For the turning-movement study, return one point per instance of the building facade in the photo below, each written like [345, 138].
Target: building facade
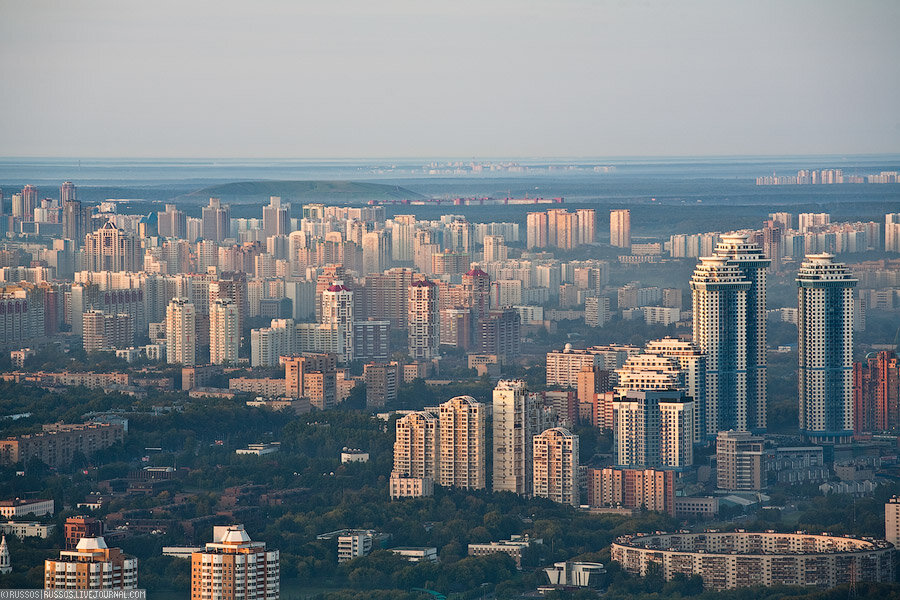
[224, 336]
[181, 332]
[234, 567]
[556, 466]
[620, 228]
[461, 460]
[92, 565]
[745, 558]
[424, 335]
[825, 327]
[740, 461]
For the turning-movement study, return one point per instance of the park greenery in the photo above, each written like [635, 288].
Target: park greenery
[197, 437]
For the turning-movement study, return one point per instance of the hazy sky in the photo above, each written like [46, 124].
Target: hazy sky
[376, 78]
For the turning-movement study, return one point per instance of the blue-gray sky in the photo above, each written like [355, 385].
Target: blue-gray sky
[407, 78]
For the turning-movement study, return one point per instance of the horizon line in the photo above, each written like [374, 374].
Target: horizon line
[451, 157]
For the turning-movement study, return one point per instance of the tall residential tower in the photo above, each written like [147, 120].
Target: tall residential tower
[825, 327]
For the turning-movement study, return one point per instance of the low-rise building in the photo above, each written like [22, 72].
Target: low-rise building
[260, 449]
[577, 574]
[57, 444]
[22, 529]
[513, 546]
[354, 543]
[402, 486]
[269, 387]
[696, 506]
[20, 508]
[416, 554]
[349, 455]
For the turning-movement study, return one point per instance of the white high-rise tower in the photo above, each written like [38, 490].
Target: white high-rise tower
[224, 336]
[181, 332]
[337, 309]
[825, 327]
[512, 437]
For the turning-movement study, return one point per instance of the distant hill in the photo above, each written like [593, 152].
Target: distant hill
[305, 191]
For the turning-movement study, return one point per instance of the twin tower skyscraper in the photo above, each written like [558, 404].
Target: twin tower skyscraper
[729, 312]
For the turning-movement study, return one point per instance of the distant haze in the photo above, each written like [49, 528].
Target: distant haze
[341, 78]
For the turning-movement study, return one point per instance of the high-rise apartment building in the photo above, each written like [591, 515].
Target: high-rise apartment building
[66, 192]
[338, 309]
[892, 521]
[536, 230]
[462, 444]
[403, 238]
[596, 311]
[111, 249]
[556, 466]
[386, 295]
[620, 228]
[215, 221]
[29, 202]
[416, 445]
[276, 217]
[512, 437]
[233, 567]
[102, 331]
[494, 248]
[171, 223]
[92, 565]
[422, 320]
[456, 328]
[566, 230]
[825, 327]
[650, 489]
[785, 220]
[692, 362]
[181, 332]
[592, 380]
[500, 333]
[811, 222]
[313, 212]
[224, 335]
[876, 393]
[75, 219]
[477, 292]
[312, 375]
[653, 428]
[754, 265]
[376, 246]
[381, 381]
[459, 237]
[587, 225]
[892, 232]
[232, 285]
[729, 307]
[739, 461]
